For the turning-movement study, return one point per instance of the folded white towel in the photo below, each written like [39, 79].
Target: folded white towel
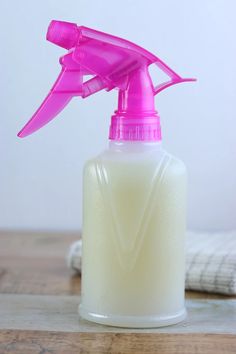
[210, 261]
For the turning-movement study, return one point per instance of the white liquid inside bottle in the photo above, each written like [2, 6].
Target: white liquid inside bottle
[134, 213]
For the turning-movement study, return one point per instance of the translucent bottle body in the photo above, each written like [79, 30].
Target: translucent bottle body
[134, 211]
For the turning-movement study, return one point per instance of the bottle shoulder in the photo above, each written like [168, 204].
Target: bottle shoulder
[176, 169]
[177, 163]
[148, 160]
[118, 156]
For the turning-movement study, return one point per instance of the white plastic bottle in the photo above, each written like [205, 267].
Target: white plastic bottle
[134, 236]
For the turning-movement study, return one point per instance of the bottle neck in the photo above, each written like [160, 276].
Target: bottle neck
[134, 146]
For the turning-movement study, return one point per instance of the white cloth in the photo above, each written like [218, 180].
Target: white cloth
[210, 261]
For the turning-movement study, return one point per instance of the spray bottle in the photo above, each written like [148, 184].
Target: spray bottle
[134, 193]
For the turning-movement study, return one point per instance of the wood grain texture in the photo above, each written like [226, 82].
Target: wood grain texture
[35, 263]
[38, 309]
[32, 342]
[60, 313]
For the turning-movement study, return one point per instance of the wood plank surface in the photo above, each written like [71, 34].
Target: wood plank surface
[39, 297]
[60, 313]
[35, 263]
[39, 342]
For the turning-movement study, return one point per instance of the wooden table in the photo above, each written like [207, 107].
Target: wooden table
[39, 297]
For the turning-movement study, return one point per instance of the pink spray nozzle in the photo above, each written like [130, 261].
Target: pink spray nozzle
[63, 34]
[112, 62]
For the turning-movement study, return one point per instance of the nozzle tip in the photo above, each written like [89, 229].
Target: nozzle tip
[63, 34]
[21, 134]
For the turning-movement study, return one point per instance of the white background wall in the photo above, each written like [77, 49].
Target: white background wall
[40, 176]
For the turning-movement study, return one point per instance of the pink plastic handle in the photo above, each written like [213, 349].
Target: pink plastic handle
[70, 78]
[66, 86]
[174, 77]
